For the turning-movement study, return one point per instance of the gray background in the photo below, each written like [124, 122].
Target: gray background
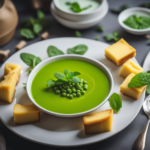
[124, 139]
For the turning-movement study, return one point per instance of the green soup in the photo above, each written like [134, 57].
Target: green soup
[45, 97]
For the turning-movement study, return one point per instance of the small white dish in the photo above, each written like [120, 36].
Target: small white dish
[80, 24]
[80, 16]
[78, 57]
[132, 11]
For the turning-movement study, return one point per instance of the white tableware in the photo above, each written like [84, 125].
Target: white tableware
[58, 131]
[78, 57]
[134, 11]
[79, 24]
[80, 16]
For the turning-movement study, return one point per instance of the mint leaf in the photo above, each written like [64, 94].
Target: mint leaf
[59, 82]
[40, 14]
[78, 34]
[140, 79]
[50, 83]
[99, 28]
[76, 73]
[79, 49]
[109, 37]
[75, 79]
[75, 7]
[54, 51]
[27, 33]
[116, 33]
[66, 71]
[59, 75]
[115, 102]
[37, 28]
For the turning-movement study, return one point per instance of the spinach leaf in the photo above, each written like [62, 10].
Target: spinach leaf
[27, 33]
[54, 51]
[115, 102]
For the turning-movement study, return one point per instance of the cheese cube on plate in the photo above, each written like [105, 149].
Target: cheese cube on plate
[130, 67]
[98, 122]
[131, 92]
[24, 114]
[120, 52]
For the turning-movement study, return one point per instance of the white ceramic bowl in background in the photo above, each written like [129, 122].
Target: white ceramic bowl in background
[134, 11]
[79, 16]
[80, 24]
[49, 60]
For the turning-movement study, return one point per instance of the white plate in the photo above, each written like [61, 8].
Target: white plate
[146, 64]
[79, 24]
[58, 131]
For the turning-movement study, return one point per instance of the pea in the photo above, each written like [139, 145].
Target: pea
[70, 86]
[65, 86]
[81, 84]
[78, 91]
[64, 94]
[74, 90]
[74, 94]
[69, 91]
[82, 92]
[85, 87]
[57, 91]
[63, 90]
[73, 84]
[55, 88]
[69, 83]
[81, 80]
[78, 94]
[85, 82]
[77, 84]
[71, 96]
[60, 87]
[68, 95]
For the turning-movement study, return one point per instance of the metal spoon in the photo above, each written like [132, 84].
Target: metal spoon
[139, 143]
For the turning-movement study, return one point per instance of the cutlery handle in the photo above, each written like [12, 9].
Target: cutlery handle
[2, 142]
[139, 143]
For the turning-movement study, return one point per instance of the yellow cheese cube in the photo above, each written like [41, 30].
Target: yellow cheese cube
[7, 87]
[119, 52]
[130, 67]
[131, 92]
[24, 114]
[9, 68]
[98, 122]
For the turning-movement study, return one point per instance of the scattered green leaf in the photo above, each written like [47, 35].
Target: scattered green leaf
[112, 37]
[140, 79]
[78, 34]
[123, 7]
[54, 51]
[40, 14]
[97, 38]
[79, 49]
[37, 28]
[99, 28]
[115, 102]
[27, 33]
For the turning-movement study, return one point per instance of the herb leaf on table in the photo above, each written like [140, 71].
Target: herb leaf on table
[115, 102]
[112, 37]
[99, 28]
[27, 33]
[54, 51]
[79, 49]
[123, 7]
[78, 34]
[97, 38]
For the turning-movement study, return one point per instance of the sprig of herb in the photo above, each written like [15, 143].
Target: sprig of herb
[123, 7]
[112, 37]
[64, 78]
[30, 60]
[115, 102]
[79, 49]
[99, 28]
[97, 38]
[75, 7]
[78, 34]
[32, 27]
[54, 51]
[140, 79]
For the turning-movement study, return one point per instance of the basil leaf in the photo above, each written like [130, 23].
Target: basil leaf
[37, 28]
[27, 58]
[79, 49]
[140, 79]
[54, 51]
[59, 75]
[78, 34]
[40, 14]
[66, 71]
[50, 83]
[27, 33]
[75, 79]
[99, 28]
[115, 102]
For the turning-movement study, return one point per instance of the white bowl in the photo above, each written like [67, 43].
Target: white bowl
[79, 24]
[79, 16]
[49, 60]
[132, 11]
